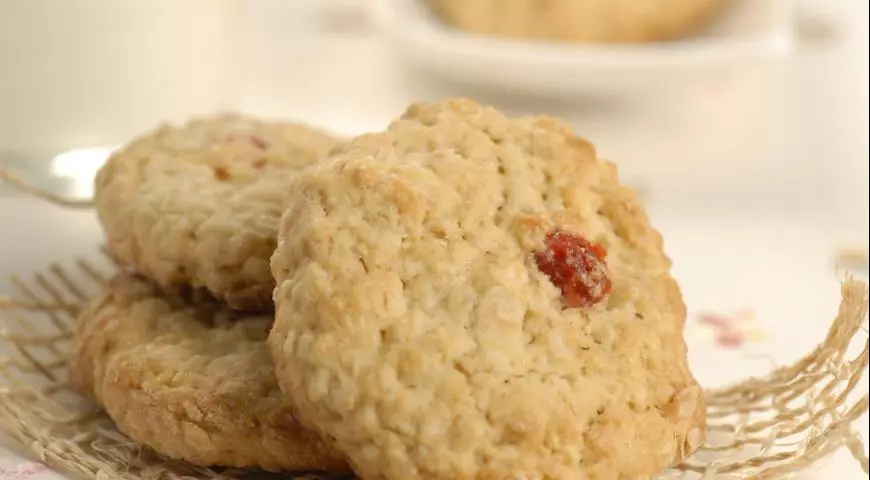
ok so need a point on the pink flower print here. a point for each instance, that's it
(21, 471)
(732, 331)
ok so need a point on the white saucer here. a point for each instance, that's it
(747, 33)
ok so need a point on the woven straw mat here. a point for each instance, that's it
(760, 428)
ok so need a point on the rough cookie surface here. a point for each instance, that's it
(199, 204)
(415, 331)
(579, 20)
(194, 381)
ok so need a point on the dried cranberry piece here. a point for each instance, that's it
(576, 266)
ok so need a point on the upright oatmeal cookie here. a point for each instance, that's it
(194, 381)
(472, 296)
(199, 204)
(579, 20)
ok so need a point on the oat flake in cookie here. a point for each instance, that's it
(473, 296)
(192, 380)
(198, 204)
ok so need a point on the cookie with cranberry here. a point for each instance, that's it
(597, 21)
(473, 296)
(191, 379)
(198, 204)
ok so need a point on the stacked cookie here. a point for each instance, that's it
(174, 348)
(464, 295)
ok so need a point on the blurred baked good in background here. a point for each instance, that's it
(602, 21)
(584, 49)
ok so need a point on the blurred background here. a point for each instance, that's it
(763, 109)
(772, 106)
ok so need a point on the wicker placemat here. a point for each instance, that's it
(760, 428)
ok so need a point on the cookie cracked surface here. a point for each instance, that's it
(415, 331)
(606, 21)
(193, 381)
(198, 204)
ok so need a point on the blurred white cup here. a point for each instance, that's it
(85, 73)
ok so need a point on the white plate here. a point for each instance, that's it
(747, 33)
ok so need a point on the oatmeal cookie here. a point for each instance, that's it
(192, 380)
(473, 296)
(198, 204)
(579, 20)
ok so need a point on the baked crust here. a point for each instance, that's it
(414, 330)
(193, 381)
(199, 204)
